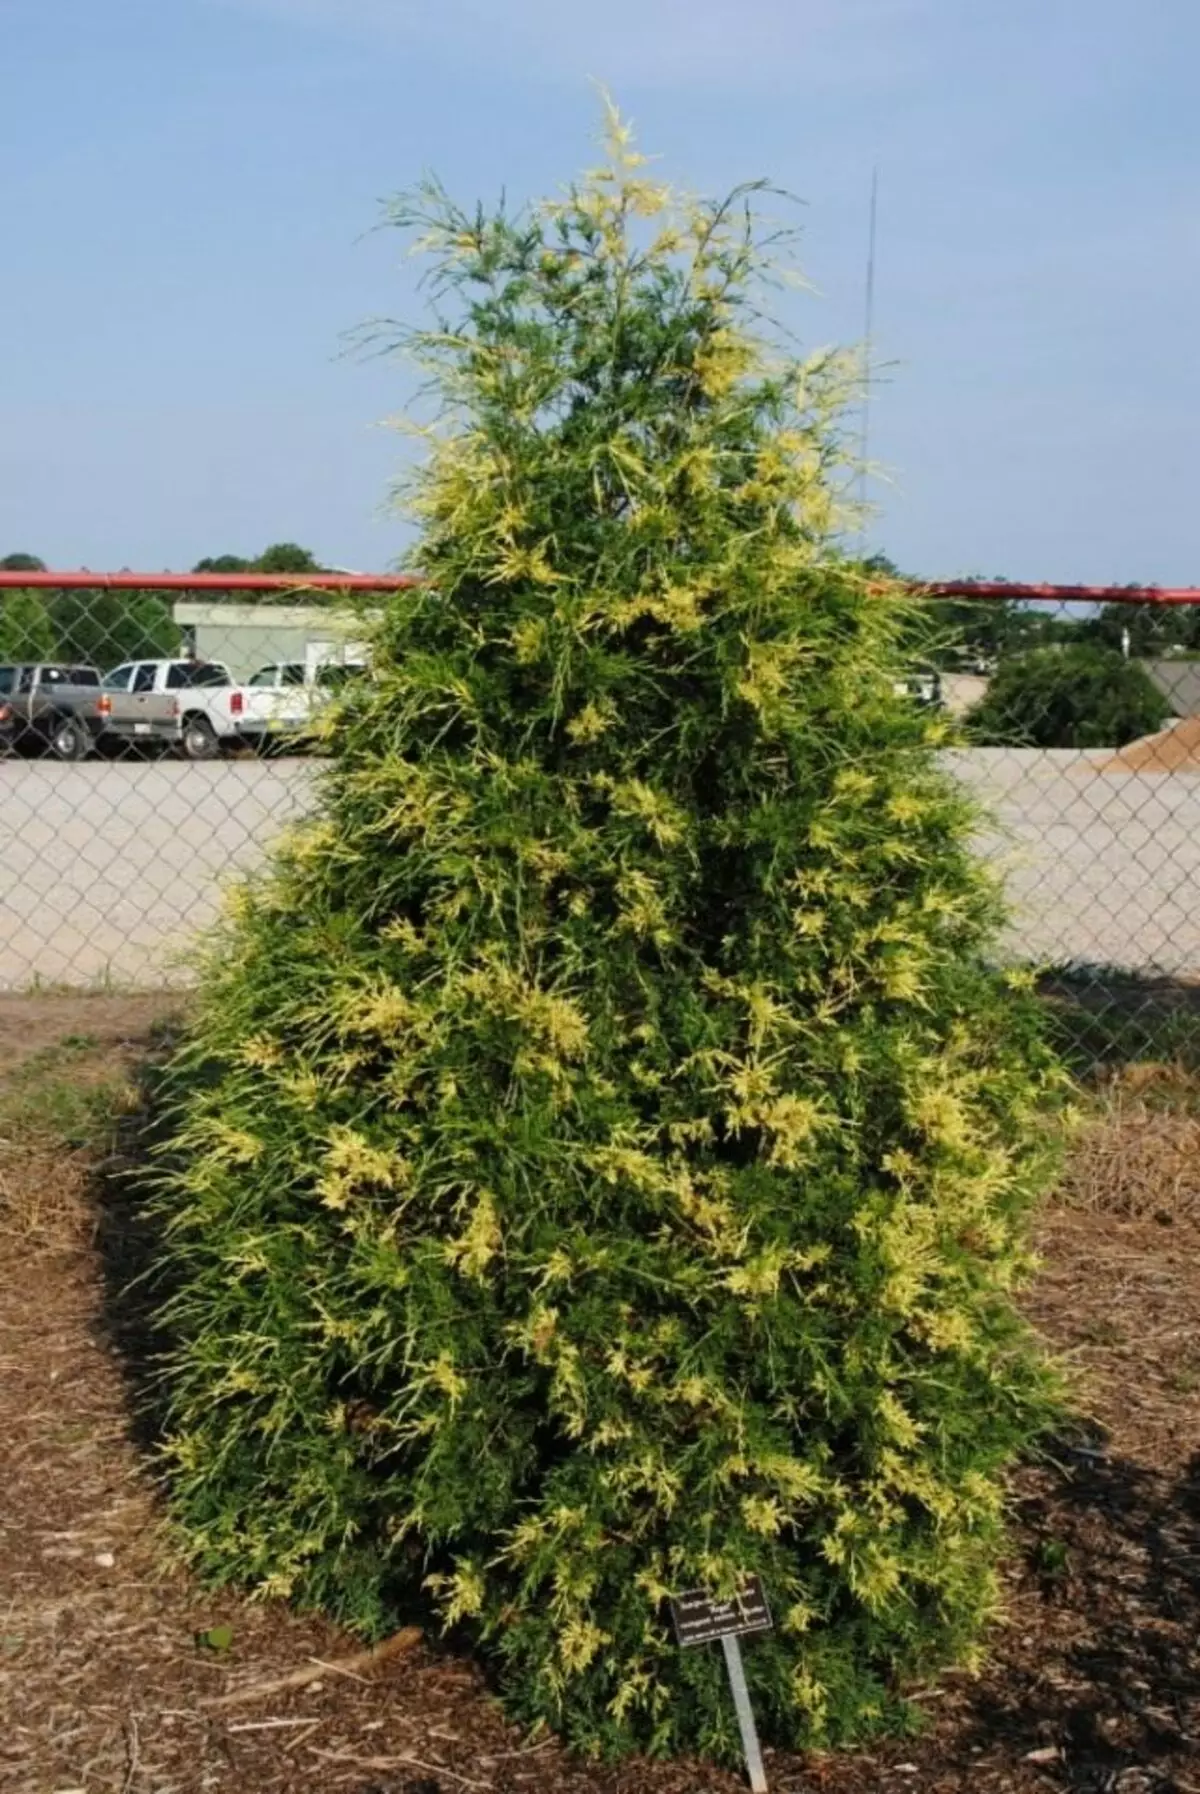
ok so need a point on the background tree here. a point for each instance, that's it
(1080, 696)
(279, 557)
(22, 563)
(26, 629)
(599, 1160)
(286, 557)
(980, 633)
(149, 630)
(223, 563)
(1152, 629)
(98, 627)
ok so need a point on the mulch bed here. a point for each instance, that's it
(1093, 1681)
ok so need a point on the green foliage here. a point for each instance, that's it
(1052, 1560)
(85, 627)
(1080, 696)
(149, 630)
(976, 633)
(598, 1166)
(223, 563)
(980, 632)
(1152, 629)
(26, 628)
(22, 563)
(286, 557)
(280, 557)
(102, 628)
(44, 1099)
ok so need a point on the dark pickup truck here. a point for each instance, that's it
(50, 707)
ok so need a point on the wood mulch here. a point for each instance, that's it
(1092, 1682)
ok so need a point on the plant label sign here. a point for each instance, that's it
(699, 1619)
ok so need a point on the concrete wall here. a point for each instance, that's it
(1179, 682)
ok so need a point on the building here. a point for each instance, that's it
(249, 636)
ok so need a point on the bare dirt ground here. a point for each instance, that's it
(109, 1679)
(39, 1024)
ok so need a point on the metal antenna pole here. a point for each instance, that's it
(868, 336)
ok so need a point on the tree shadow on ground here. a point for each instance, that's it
(1102, 1017)
(129, 1241)
(1100, 1674)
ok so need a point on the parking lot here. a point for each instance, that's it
(1101, 866)
(111, 869)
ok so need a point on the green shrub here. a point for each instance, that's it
(1073, 697)
(599, 1164)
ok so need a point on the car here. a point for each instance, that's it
(51, 707)
(280, 701)
(189, 704)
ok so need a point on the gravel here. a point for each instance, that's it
(111, 869)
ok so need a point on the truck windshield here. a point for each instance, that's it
(195, 672)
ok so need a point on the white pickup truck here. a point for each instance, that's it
(280, 702)
(192, 704)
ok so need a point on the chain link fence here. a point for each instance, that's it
(1078, 729)
(154, 739)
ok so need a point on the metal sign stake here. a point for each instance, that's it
(701, 1618)
(745, 1713)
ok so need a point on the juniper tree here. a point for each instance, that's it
(600, 1156)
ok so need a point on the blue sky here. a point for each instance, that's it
(187, 190)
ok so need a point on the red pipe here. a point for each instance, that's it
(215, 582)
(398, 582)
(998, 588)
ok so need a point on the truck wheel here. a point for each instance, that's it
(68, 739)
(199, 739)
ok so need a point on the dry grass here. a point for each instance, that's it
(1137, 1153)
(42, 1192)
(65, 1065)
(52, 1124)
